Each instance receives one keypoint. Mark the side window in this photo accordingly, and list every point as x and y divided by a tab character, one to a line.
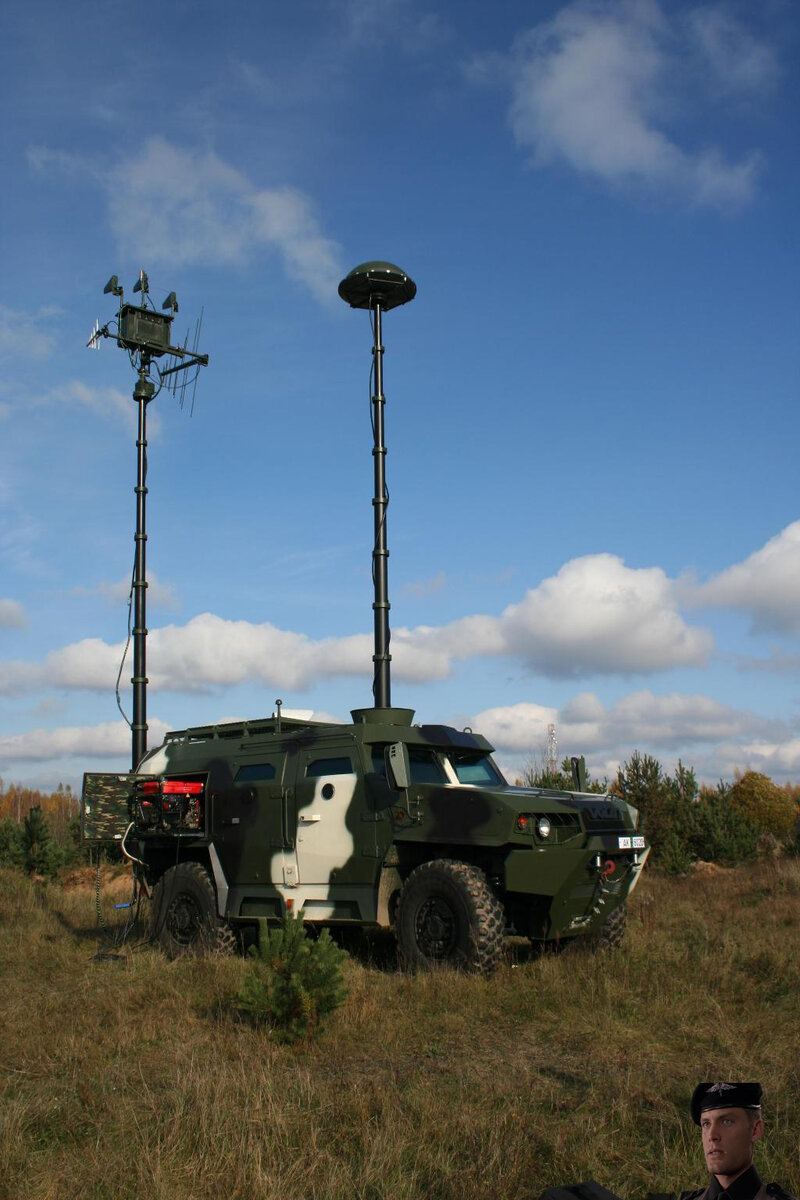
425	766
329	766
255	773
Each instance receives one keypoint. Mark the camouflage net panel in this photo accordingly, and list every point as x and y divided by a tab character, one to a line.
105	814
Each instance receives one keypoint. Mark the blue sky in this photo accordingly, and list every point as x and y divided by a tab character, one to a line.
591	404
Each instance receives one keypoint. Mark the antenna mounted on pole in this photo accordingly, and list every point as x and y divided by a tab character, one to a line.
145	334
378	287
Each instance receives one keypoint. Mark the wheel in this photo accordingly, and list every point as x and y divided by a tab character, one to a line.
448	914
610	934
183	918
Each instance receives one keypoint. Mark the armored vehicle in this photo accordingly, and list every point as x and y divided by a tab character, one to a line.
379	823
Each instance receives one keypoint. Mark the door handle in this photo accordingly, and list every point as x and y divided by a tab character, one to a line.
310	818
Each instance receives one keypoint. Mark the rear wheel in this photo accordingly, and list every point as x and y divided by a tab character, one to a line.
448	915
184	918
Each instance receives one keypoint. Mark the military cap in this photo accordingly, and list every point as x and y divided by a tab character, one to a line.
724	1095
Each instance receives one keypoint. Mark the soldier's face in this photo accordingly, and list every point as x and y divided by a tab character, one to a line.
728	1140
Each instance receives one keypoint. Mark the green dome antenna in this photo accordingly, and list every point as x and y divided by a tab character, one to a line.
379	286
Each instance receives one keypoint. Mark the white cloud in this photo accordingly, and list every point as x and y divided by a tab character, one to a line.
109	740
640	720
12	614
594	88
766	585
170	205
596	616
177	206
778	759
425	587
737	61
777	663
27	335
373	22
106	402
158	593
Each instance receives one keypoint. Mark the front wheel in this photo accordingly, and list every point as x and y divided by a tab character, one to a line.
183	917
611	932
448	914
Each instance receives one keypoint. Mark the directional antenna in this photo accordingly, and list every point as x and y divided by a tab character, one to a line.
145	333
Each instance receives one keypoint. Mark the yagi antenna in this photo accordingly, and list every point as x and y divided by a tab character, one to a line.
145	333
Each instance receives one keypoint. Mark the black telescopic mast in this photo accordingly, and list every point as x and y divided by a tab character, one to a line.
379	286
143	393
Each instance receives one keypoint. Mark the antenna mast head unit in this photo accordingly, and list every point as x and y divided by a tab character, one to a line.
377	283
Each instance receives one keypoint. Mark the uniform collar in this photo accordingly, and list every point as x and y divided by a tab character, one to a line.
743	1188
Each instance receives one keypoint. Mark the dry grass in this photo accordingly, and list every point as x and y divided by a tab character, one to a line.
136	1077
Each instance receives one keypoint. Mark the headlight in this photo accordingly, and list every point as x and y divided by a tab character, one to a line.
543	827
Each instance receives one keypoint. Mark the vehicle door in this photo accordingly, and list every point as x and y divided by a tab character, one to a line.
333	842
259	800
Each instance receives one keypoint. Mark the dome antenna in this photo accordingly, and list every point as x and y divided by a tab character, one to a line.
379	286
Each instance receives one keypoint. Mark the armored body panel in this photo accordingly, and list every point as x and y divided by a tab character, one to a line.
345	822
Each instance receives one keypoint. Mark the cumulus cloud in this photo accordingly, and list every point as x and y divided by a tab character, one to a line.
641	720
106	402
171	205
178	206
12	614
594	87
109	740
596	616
778	759
766	586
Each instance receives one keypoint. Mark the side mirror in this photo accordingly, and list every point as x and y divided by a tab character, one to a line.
398	767
579	773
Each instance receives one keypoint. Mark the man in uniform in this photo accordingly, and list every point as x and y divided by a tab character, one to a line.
729	1116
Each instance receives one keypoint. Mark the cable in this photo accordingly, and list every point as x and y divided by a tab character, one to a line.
125	653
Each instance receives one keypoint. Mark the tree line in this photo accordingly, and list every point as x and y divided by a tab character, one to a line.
684	822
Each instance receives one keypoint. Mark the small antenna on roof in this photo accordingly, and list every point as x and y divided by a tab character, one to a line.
145	333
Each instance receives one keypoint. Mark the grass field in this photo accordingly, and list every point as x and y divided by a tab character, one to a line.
136	1077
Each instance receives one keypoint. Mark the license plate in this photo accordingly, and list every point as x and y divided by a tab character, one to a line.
630	843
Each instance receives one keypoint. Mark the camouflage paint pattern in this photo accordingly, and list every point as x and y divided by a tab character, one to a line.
300	815
105	807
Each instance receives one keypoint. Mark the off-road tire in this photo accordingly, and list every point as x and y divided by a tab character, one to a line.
183	914
448	915
610	934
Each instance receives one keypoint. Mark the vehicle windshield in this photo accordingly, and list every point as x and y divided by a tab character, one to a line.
474	768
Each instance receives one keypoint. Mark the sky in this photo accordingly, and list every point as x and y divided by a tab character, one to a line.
591	404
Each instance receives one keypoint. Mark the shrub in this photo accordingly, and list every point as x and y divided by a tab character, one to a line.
11	851
720	832
294	982
41	854
769	808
